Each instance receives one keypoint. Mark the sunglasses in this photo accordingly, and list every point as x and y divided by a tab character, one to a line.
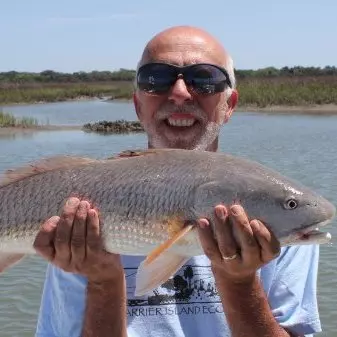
202	78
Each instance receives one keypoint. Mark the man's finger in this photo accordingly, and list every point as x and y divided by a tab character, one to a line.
208	242
249	247
270	246
43	243
64	230
224	234
78	237
93	232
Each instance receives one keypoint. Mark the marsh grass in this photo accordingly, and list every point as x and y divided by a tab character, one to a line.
8	120
288	91
62	92
259	92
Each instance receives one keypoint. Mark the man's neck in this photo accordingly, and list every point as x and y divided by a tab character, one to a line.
212	147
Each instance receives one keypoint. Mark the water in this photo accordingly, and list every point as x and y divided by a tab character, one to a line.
74	113
300	146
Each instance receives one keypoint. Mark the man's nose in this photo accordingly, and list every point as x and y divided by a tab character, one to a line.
179	93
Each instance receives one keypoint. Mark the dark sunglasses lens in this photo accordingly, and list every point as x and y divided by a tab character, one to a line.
155	78
206	79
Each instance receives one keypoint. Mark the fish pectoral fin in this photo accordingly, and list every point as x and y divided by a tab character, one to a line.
161	263
168	244
151	275
8	260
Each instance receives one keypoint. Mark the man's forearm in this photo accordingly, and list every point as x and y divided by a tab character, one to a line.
247	310
105	313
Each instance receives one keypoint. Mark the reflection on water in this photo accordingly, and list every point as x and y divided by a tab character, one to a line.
15	134
302	147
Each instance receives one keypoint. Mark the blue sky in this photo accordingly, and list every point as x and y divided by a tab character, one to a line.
74	35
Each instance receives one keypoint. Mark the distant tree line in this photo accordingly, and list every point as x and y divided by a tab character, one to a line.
287	72
50	76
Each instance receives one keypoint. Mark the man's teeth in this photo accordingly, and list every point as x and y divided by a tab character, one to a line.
181	122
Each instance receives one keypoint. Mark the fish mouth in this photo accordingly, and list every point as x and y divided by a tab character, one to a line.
309	235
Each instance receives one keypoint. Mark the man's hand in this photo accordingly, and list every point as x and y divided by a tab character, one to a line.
237	258
72	242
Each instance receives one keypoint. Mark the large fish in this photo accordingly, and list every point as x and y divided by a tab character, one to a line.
146	198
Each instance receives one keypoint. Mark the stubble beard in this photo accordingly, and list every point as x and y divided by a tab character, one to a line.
200	136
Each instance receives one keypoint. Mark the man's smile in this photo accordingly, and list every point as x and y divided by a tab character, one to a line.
180	120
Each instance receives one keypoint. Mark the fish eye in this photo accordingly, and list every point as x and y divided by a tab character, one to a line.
290	204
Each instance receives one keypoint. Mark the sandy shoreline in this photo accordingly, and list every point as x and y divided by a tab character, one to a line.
77	99
306	109
7	131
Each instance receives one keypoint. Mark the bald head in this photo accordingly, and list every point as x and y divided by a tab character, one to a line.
184	45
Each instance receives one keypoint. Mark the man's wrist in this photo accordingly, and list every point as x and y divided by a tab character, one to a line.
106	283
231	281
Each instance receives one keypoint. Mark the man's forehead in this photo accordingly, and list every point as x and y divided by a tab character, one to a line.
183	49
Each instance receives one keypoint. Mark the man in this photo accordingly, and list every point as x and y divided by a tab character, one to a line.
243	287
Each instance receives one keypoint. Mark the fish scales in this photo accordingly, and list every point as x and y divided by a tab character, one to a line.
131	194
158	201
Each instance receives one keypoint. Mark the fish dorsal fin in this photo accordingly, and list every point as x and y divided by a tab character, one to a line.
41	166
135	153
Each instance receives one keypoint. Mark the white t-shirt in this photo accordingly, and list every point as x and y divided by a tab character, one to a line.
188	305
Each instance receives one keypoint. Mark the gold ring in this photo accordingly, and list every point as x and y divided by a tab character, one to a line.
228	258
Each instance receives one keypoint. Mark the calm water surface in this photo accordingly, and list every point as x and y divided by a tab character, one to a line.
74	113
300	146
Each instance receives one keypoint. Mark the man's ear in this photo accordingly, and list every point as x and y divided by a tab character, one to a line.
231	103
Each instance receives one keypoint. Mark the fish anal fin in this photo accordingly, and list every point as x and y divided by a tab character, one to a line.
8	260
41	166
152	275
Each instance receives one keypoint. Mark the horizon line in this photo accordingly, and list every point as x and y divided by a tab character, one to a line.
130	69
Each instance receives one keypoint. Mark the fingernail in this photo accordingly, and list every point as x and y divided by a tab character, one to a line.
221	212
203	223
51	223
236	209
73	202
92	212
255	224
54	219
83	205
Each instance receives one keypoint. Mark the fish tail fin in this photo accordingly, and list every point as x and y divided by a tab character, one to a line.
8	260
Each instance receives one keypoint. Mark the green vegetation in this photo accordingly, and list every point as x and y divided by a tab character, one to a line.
8	120
260	88
297	91
54	92
50	76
